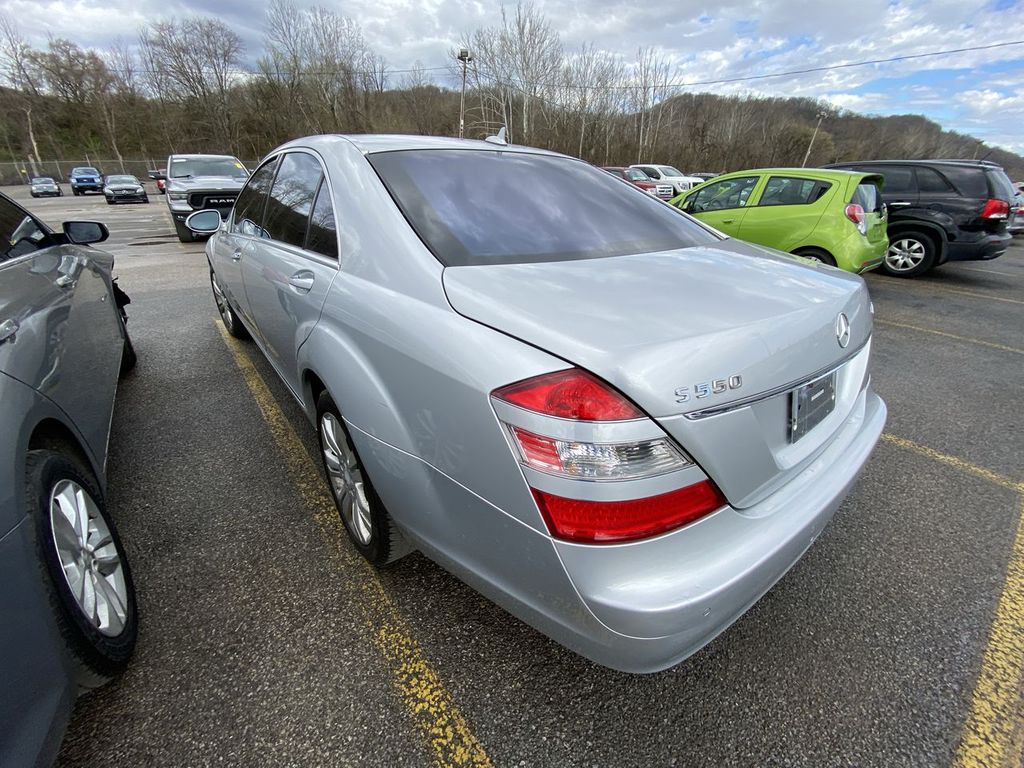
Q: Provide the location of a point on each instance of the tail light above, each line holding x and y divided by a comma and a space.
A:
995, 209
855, 213
616, 521
585, 452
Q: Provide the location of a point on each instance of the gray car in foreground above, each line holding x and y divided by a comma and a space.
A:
609, 419
67, 603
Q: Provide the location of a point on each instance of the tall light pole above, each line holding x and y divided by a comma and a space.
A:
465, 57
821, 116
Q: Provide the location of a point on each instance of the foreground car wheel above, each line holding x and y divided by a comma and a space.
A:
85, 566
227, 314
910, 254
367, 523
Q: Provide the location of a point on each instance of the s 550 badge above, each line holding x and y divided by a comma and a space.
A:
707, 388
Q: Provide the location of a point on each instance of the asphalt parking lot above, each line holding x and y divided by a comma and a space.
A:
896, 641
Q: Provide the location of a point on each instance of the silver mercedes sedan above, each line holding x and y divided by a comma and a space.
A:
615, 422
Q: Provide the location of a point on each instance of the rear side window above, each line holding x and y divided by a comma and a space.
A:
787, 190
291, 198
323, 233
969, 181
475, 207
252, 200
866, 195
899, 180
931, 182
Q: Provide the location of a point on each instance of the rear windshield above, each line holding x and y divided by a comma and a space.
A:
188, 167
867, 197
1000, 184
475, 207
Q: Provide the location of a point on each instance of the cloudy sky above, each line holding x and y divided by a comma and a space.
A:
981, 92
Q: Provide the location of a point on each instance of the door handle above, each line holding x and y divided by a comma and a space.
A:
8, 328
237, 254
899, 204
302, 281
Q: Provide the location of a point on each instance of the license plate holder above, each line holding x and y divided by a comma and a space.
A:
809, 404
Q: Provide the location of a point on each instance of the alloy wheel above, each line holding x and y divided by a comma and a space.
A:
89, 559
905, 254
346, 478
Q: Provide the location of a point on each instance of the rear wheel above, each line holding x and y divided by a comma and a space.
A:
818, 254
910, 254
185, 234
85, 565
366, 521
227, 314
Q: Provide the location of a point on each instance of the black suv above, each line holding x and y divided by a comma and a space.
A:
941, 210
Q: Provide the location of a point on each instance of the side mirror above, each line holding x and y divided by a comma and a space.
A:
157, 176
85, 232
204, 222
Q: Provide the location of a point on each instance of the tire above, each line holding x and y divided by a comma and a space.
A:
60, 193
109, 201
818, 254
185, 234
228, 315
145, 199
75, 192
100, 641
910, 254
367, 522
128, 356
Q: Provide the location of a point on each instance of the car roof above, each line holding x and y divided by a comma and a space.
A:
369, 143
833, 174
192, 157
979, 164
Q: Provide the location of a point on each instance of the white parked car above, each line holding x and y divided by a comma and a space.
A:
666, 174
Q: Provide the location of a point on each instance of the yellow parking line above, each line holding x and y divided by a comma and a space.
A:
993, 735
967, 339
955, 462
429, 705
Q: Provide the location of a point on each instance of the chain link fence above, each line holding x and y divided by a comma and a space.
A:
20, 172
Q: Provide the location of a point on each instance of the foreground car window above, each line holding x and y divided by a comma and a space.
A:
21, 234
291, 198
475, 207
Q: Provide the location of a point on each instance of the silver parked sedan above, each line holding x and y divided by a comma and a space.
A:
68, 617
611, 420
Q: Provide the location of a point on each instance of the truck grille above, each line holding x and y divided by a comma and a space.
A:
216, 200
665, 191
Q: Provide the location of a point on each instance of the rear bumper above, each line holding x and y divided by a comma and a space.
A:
663, 599
984, 247
857, 254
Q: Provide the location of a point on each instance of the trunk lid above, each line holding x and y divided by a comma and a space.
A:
654, 324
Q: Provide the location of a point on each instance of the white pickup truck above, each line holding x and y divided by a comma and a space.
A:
666, 174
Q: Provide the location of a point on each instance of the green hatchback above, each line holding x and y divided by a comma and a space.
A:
836, 217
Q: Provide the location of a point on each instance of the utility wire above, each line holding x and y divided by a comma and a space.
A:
787, 73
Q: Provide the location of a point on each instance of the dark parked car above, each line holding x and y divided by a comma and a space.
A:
941, 210
85, 179
44, 186
68, 605
124, 189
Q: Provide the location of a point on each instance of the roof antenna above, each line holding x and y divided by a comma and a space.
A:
500, 138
